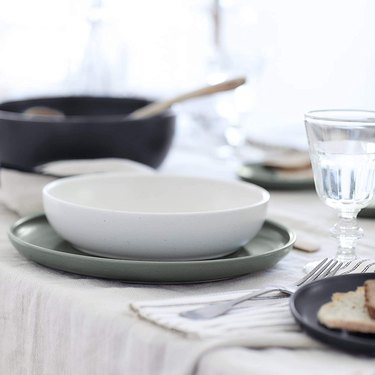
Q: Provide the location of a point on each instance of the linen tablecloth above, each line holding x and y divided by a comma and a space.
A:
57, 323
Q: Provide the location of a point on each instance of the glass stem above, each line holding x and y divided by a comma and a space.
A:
347, 233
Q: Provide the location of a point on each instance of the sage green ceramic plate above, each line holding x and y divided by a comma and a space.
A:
272, 179
34, 238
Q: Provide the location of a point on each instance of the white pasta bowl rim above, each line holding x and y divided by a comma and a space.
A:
47, 191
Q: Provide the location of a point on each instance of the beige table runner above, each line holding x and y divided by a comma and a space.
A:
58, 323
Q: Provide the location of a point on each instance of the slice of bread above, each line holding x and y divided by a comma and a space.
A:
347, 311
370, 297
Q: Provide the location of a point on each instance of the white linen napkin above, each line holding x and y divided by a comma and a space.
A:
253, 314
268, 317
21, 192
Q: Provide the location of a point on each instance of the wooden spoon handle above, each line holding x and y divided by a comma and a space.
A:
157, 107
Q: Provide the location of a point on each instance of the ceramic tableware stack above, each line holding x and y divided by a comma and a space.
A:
42, 139
153, 228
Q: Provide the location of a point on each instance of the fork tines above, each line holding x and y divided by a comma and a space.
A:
327, 267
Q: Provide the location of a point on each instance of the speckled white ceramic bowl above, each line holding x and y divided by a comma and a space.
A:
155, 216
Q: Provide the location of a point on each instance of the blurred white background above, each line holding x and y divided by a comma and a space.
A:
297, 55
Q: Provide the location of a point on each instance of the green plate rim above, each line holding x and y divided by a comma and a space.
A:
20, 222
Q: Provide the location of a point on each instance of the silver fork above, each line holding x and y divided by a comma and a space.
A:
323, 269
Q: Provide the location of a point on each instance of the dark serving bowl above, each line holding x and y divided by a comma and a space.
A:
93, 127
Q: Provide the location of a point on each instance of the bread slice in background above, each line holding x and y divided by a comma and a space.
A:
370, 297
347, 311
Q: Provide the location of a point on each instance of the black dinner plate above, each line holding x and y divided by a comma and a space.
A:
368, 212
306, 302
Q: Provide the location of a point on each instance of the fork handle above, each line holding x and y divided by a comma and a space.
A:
216, 309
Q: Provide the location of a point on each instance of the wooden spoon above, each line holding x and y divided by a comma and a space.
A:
157, 107
153, 108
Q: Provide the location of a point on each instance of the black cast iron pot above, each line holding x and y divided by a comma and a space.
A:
92, 127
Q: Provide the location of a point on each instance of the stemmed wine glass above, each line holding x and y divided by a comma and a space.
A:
342, 153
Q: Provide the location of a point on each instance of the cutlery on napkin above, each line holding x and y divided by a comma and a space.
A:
266, 314
250, 315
